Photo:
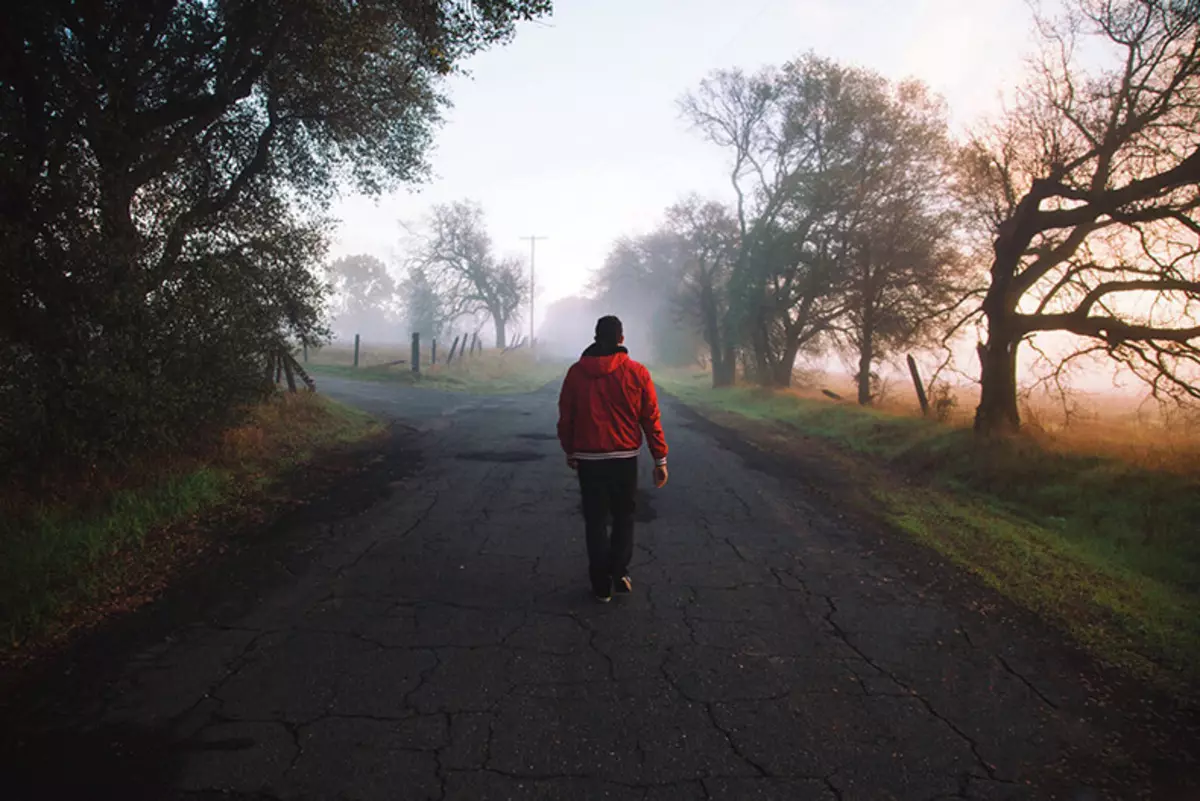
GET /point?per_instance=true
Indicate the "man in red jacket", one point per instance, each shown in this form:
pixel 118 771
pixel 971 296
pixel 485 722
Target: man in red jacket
pixel 607 402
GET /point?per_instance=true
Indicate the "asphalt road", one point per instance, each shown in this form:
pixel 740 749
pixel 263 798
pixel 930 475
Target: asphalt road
pixel 433 638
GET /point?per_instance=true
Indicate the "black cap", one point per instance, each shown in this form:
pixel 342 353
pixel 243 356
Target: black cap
pixel 609 330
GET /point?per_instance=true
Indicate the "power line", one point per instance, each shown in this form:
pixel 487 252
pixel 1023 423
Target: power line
pixel 747 21
pixel 532 278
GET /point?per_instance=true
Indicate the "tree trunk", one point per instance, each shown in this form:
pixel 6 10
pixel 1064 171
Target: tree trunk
pixel 782 373
pixel 764 366
pixel 498 321
pixel 286 360
pixel 725 370
pixel 866 354
pixel 712 335
pixel 997 412
pixel 865 357
pixel 866 346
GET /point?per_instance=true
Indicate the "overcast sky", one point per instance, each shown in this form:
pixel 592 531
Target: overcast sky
pixel 572 131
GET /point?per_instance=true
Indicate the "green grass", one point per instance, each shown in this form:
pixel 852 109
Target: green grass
pixel 58 558
pixel 1103 547
pixel 486 373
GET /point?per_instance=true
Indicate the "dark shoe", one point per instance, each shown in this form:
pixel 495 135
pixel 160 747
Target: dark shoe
pixel 623 585
pixel 602 591
pixel 603 598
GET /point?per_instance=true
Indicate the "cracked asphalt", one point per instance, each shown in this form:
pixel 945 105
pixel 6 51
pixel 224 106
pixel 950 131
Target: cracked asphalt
pixel 436 640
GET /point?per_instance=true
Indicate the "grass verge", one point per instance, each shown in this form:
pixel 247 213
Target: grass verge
pixel 66 563
pixel 488 373
pixel 1103 548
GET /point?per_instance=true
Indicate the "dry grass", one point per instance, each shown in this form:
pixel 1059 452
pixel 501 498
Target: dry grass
pixel 484 372
pixel 369 354
pixel 1110 426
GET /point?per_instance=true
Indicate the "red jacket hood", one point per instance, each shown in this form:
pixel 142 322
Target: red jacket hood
pixel 598 360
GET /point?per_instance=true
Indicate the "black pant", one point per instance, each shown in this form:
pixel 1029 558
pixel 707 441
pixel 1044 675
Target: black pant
pixel 608 486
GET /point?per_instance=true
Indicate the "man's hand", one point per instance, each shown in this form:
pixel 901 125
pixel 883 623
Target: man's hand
pixel 660 475
pixel 572 463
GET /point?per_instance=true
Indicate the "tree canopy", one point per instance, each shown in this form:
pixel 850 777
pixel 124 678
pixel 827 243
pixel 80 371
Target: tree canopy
pixel 835 226
pixel 163 166
pixel 1089 190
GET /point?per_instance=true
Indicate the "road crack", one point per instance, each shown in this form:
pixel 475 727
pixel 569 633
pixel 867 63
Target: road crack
pixel 968 739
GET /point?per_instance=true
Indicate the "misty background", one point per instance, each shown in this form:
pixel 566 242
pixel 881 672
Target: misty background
pixel 594 148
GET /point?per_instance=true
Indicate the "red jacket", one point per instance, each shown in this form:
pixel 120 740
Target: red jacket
pixel 607 402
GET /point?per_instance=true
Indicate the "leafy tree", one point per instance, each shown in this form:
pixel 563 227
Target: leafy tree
pixel 457 256
pixel 841 221
pixel 794 137
pixel 365 298
pixel 423 306
pixel 707 238
pixel 162 169
pixel 901 259
pixel 1088 189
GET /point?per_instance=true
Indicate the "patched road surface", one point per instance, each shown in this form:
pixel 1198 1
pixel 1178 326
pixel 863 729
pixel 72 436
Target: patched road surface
pixel 436 640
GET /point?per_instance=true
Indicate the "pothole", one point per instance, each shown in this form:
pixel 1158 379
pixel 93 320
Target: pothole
pixel 500 456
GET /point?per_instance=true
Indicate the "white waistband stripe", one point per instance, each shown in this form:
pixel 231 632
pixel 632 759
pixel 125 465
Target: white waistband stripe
pixel 595 457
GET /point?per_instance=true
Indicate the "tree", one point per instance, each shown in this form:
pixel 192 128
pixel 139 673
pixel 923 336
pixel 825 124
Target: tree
pixel 795 138
pixel 456 255
pixel 568 327
pixel 365 297
pixel 423 306
pixel 640 282
pixel 162 170
pixel 1089 190
pixel 707 238
pixel 901 257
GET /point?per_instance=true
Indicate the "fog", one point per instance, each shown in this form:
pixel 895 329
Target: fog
pixel 596 161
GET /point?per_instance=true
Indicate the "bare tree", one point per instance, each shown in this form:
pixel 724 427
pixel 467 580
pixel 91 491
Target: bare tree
pixel 456 254
pixel 1089 187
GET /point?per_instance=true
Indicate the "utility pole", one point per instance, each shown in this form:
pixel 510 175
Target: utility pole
pixel 532 278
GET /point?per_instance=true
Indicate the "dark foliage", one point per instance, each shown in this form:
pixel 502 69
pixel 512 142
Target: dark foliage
pixel 163 165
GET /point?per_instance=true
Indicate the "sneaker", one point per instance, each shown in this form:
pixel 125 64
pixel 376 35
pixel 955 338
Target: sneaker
pixel 623 585
pixel 603 598
pixel 602 591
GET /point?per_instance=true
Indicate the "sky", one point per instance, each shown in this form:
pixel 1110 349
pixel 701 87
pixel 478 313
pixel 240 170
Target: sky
pixel 572 131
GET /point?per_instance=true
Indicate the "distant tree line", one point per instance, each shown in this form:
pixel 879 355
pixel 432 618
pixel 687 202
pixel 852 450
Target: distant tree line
pixel 861 225
pixel 164 170
pixel 453 281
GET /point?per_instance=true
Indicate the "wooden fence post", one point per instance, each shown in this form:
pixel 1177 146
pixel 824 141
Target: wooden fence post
pixel 305 346
pixel 416 352
pixel 916 377
pixel 454 347
pixel 475 343
pixel 433 352
pixel 356 350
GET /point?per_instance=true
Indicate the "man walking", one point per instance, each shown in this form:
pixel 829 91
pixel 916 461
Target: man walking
pixel 607 402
